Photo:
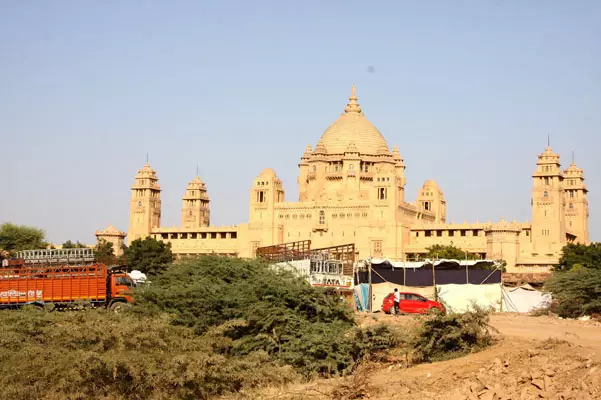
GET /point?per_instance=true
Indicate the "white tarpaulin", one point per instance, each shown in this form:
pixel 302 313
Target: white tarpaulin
pixel 137 276
pixel 459 298
pixel 524 299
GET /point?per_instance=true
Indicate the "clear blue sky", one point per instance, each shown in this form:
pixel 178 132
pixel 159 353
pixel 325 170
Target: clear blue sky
pixel 468 90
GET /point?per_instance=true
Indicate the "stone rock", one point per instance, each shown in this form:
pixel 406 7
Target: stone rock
pixel 548 382
pixel 524 377
pixel 539 383
pixel 476 387
pixel 537 374
pixel 549 372
pixel 488 395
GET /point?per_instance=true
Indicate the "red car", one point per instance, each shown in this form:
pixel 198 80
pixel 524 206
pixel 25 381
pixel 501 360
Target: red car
pixel 411 303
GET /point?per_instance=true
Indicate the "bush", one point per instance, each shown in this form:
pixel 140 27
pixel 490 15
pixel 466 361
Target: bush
pixel 577 292
pixel 451 335
pixel 284 317
pixel 96 354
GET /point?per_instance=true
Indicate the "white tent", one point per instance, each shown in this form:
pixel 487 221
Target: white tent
pixel 524 299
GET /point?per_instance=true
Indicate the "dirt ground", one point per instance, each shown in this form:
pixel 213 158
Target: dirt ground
pixel 534 357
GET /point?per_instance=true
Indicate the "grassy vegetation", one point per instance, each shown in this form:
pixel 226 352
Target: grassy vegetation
pixel 203 327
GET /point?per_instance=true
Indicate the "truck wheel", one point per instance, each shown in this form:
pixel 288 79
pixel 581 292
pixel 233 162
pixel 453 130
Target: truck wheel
pixel 119 306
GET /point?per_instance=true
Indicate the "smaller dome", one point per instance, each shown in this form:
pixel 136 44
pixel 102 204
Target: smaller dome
pixel 430 184
pixel 110 231
pixel 267 172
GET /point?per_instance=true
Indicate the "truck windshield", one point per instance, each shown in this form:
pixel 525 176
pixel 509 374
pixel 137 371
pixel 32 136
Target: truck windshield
pixel 122 280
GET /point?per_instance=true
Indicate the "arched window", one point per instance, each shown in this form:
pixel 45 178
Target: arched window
pixel 571 205
pixel 546 194
pixel 351 167
pixel 322 217
pixel 314 168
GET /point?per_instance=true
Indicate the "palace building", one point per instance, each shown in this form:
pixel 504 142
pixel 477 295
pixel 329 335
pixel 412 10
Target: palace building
pixel 352 190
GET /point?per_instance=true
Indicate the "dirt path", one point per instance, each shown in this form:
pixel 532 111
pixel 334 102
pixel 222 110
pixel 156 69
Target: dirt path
pixel 587 334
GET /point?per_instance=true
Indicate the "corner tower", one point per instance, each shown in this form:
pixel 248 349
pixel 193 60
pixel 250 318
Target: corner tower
pixel 576 212
pixel 145 204
pixel 431 200
pixel 195 205
pixel 267 191
pixel 548 205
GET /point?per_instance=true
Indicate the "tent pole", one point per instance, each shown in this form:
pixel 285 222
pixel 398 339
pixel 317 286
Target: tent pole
pixel 369 290
pixel 434 282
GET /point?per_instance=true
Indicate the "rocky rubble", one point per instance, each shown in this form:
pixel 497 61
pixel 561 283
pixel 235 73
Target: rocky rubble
pixel 544 372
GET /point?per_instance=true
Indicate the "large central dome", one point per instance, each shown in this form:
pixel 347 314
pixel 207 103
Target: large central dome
pixel 352 128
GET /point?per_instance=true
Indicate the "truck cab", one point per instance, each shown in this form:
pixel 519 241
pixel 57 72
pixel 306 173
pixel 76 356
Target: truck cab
pixel 119 288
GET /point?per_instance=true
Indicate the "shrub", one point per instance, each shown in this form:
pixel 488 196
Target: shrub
pixel 96 354
pixel 577 292
pixel 451 335
pixel 299 325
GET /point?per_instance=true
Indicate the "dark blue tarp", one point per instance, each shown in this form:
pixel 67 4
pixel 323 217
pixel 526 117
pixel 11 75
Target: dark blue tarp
pixel 424 276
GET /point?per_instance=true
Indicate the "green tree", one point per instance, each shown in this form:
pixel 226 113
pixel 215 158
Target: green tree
pixel 449 252
pixel 575 255
pixel 577 291
pixel 70 245
pixel 14 238
pixel 148 255
pixel 104 250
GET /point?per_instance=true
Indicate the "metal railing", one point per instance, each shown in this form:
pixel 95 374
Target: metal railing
pixel 57 256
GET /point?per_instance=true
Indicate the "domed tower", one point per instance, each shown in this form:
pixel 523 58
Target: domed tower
pixel 431 200
pixel 548 205
pixel 145 204
pixel 266 192
pixel 575 193
pixel 195 205
pixel 114 236
pixel 351 161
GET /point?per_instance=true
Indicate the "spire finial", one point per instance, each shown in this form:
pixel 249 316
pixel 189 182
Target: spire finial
pixel 196 169
pixel 146 158
pixel 548 140
pixel 572 156
pixel 353 106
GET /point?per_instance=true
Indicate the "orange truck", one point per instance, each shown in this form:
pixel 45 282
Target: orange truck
pixel 64 285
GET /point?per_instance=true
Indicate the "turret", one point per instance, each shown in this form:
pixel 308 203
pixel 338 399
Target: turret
pixel 195 205
pixel 431 200
pixel 548 213
pixel 576 211
pixel 145 204
pixel 267 191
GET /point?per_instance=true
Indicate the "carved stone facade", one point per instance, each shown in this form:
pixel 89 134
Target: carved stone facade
pixel 352 190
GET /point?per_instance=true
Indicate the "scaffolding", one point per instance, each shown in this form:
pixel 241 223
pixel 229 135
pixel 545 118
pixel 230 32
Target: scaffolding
pixel 328 266
pixel 286 251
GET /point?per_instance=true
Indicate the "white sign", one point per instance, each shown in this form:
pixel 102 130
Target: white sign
pixel 30 294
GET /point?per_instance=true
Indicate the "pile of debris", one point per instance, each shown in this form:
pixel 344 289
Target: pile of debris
pixel 536 373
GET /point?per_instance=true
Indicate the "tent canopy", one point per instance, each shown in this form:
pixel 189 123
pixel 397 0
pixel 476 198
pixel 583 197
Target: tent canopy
pixel 438 264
